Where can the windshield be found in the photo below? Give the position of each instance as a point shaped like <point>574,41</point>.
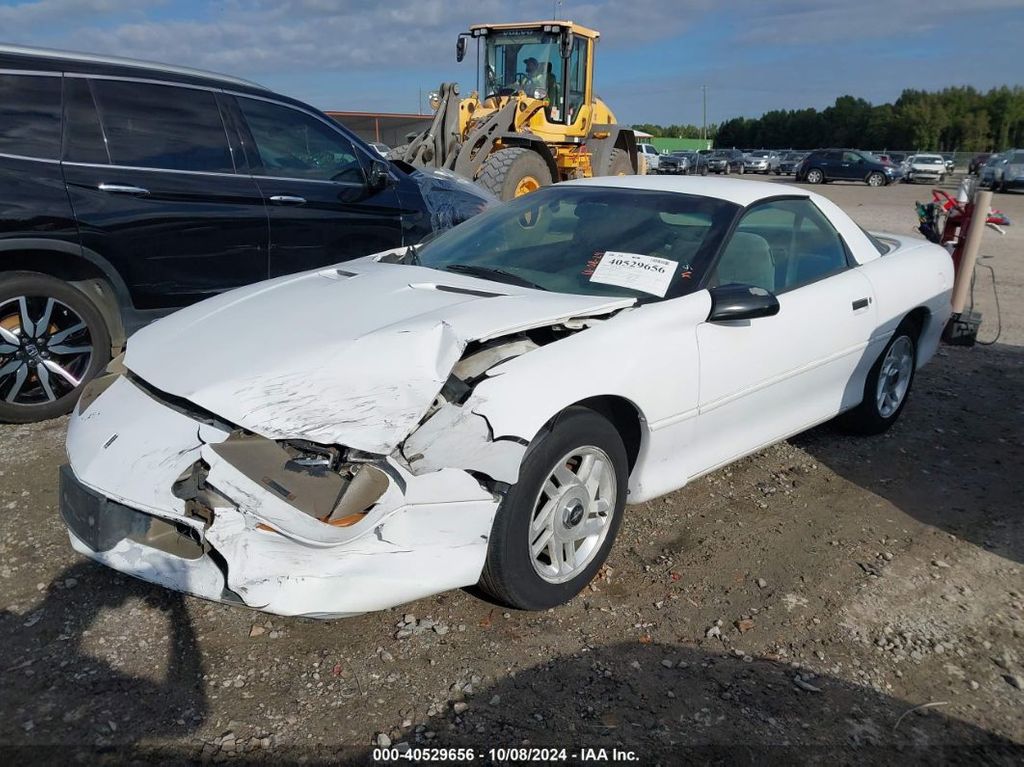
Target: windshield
<point>589,240</point>
<point>524,59</point>
<point>759,154</point>
<point>928,160</point>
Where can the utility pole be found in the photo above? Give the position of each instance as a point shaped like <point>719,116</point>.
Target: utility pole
<point>704,99</point>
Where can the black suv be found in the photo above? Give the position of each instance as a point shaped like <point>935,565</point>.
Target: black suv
<point>130,189</point>
<point>824,165</point>
<point>726,161</point>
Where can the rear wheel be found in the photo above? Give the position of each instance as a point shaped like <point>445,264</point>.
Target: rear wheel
<point>556,525</point>
<point>53,339</point>
<point>513,172</point>
<point>619,164</point>
<point>887,387</point>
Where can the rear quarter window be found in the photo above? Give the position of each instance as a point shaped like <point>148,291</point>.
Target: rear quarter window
<point>30,115</point>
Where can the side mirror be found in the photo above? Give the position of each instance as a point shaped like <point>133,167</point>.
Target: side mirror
<point>379,175</point>
<point>741,302</point>
<point>460,49</point>
<point>568,38</point>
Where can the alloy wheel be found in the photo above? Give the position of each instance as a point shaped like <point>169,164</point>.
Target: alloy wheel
<point>894,376</point>
<point>572,514</point>
<point>45,350</point>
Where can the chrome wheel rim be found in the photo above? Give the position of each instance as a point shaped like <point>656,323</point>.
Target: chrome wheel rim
<point>874,180</point>
<point>572,514</point>
<point>894,376</point>
<point>45,350</point>
<point>814,176</point>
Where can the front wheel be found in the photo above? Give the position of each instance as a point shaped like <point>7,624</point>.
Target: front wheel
<point>556,525</point>
<point>53,340</point>
<point>815,176</point>
<point>513,172</point>
<point>876,179</point>
<point>887,387</point>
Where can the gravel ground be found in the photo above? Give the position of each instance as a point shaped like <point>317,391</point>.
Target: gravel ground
<point>828,597</point>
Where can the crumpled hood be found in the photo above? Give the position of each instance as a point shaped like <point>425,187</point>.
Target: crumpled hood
<point>351,355</point>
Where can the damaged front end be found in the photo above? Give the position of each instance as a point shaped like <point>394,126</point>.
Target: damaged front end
<point>291,528</point>
<point>375,485</point>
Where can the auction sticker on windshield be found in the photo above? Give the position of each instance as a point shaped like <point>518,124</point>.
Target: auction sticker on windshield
<point>648,274</point>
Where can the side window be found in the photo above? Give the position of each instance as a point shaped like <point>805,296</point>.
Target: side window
<point>83,134</point>
<point>293,144</point>
<point>852,157</point>
<point>30,116</point>
<point>577,84</point>
<point>162,126</point>
<point>780,245</point>
<point>832,155</point>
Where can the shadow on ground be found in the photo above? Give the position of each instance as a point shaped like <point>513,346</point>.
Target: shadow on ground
<point>673,704</point>
<point>59,698</point>
<point>954,458</point>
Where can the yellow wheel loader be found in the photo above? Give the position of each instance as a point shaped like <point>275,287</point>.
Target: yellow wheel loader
<point>534,121</point>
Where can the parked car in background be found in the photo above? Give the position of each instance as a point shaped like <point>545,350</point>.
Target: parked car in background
<point>674,163</point>
<point>925,167</point>
<point>823,165</point>
<point>977,161</point>
<point>1004,171</point>
<point>726,161</point>
<point>886,159</point>
<point>651,155</point>
<point>130,189</point>
<point>761,161</point>
<point>788,163</point>
<point>482,408</point>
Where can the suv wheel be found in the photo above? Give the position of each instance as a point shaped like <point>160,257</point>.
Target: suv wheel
<point>815,176</point>
<point>53,340</point>
<point>876,179</point>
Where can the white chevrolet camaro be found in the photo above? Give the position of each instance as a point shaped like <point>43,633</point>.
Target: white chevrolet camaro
<point>482,408</point>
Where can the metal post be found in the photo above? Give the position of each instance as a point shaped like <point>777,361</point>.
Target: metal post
<point>962,283</point>
<point>704,130</point>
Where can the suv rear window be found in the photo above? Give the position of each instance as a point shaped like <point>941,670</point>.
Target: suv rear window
<point>30,116</point>
<point>162,126</point>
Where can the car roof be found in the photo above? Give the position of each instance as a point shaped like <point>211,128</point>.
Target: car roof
<point>49,59</point>
<point>732,190</point>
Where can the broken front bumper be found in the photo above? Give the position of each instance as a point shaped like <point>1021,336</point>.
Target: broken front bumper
<point>128,450</point>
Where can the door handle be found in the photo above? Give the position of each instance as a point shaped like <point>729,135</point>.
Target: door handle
<point>123,189</point>
<point>861,303</point>
<point>287,199</point>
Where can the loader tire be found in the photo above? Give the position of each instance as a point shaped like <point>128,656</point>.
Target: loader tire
<point>619,164</point>
<point>513,172</point>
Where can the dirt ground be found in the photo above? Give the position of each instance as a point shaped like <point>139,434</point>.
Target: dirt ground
<point>830,597</point>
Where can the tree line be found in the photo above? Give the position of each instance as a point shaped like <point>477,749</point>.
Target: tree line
<point>953,119</point>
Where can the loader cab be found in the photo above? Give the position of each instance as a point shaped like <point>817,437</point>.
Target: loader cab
<point>550,61</point>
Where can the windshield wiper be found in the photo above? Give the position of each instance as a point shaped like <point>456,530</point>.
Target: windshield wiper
<point>492,272</point>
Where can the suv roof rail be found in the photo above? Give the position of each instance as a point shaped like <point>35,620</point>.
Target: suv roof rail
<point>93,58</point>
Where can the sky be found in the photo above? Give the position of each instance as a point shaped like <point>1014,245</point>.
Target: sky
<point>653,57</point>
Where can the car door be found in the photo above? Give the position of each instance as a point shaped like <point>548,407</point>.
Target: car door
<point>150,173</point>
<point>764,379</point>
<point>314,180</point>
<point>852,167</point>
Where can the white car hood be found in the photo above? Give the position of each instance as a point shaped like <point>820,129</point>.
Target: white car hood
<point>351,355</point>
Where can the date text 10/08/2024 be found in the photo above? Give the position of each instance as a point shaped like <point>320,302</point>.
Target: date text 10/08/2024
<point>512,754</point>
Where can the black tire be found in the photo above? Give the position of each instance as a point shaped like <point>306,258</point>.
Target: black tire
<point>509,575</point>
<point>704,171</point>
<point>815,176</point>
<point>867,417</point>
<point>507,169</point>
<point>40,397</point>
<point>879,179</point>
<point>619,164</point>
<point>742,170</point>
